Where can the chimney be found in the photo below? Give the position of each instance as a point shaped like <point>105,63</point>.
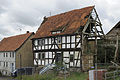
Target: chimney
<point>27,31</point>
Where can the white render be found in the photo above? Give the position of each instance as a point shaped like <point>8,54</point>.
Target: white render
<point>7,62</point>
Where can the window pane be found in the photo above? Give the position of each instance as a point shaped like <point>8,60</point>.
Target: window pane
<point>68,39</point>
<point>71,58</point>
<point>43,55</point>
<point>63,39</point>
<point>6,54</point>
<point>36,42</point>
<point>3,54</point>
<point>39,56</point>
<point>12,54</point>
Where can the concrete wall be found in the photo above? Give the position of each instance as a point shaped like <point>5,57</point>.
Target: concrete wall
<point>26,55</point>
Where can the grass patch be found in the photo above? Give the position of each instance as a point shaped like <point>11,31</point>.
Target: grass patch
<point>78,76</point>
<point>52,76</point>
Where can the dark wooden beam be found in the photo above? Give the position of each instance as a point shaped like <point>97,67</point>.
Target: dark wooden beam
<point>52,50</point>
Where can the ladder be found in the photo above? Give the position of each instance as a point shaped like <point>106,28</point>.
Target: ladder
<point>46,68</point>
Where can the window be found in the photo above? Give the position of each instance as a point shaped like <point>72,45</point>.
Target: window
<point>12,64</point>
<point>36,55</point>
<point>3,54</point>
<point>36,42</point>
<point>68,39</point>
<point>10,54</point>
<point>13,54</point>
<point>6,54</point>
<point>59,40</point>
<point>6,64</point>
<point>86,16</point>
<point>41,42</point>
<point>41,56</point>
<point>71,58</point>
<point>53,32</point>
<point>6,72</point>
<point>56,32</point>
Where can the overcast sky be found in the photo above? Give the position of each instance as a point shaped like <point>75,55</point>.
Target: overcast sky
<point>19,16</point>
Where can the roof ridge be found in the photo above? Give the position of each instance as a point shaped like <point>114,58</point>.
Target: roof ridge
<point>14,42</point>
<point>70,11</point>
<point>19,35</point>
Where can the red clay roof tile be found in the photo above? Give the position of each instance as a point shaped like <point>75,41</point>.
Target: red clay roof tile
<point>14,42</point>
<point>72,20</point>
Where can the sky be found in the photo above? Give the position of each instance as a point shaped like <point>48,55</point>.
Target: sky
<point>19,16</point>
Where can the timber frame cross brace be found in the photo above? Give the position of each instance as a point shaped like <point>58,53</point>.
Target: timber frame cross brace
<point>95,32</point>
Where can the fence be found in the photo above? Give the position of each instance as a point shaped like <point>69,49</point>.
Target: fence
<point>115,75</point>
<point>113,70</point>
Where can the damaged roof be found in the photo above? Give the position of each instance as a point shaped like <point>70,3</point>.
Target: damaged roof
<point>117,26</point>
<point>14,42</point>
<point>67,23</point>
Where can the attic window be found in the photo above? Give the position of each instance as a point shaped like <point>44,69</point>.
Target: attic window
<point>87,16</point>
<point>56,32</point>
<point>60,28</point>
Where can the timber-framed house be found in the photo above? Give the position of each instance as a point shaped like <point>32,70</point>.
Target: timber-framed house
<point>65,38</point>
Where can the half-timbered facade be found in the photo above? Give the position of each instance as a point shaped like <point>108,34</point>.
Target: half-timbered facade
<point>16,52</point>
<point>64,38</point>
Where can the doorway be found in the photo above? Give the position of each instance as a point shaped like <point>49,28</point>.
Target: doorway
<point>59,57</point>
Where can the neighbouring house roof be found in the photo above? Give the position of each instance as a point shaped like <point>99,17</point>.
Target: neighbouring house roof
<point>69,22</point>
<point>117,26</point>
<point>14,42</point>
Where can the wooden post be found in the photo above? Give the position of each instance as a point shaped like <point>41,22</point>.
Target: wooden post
<point>116,50</point>
<point>105,55</point>
<point>82,51</point>
<point>96,35</point>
